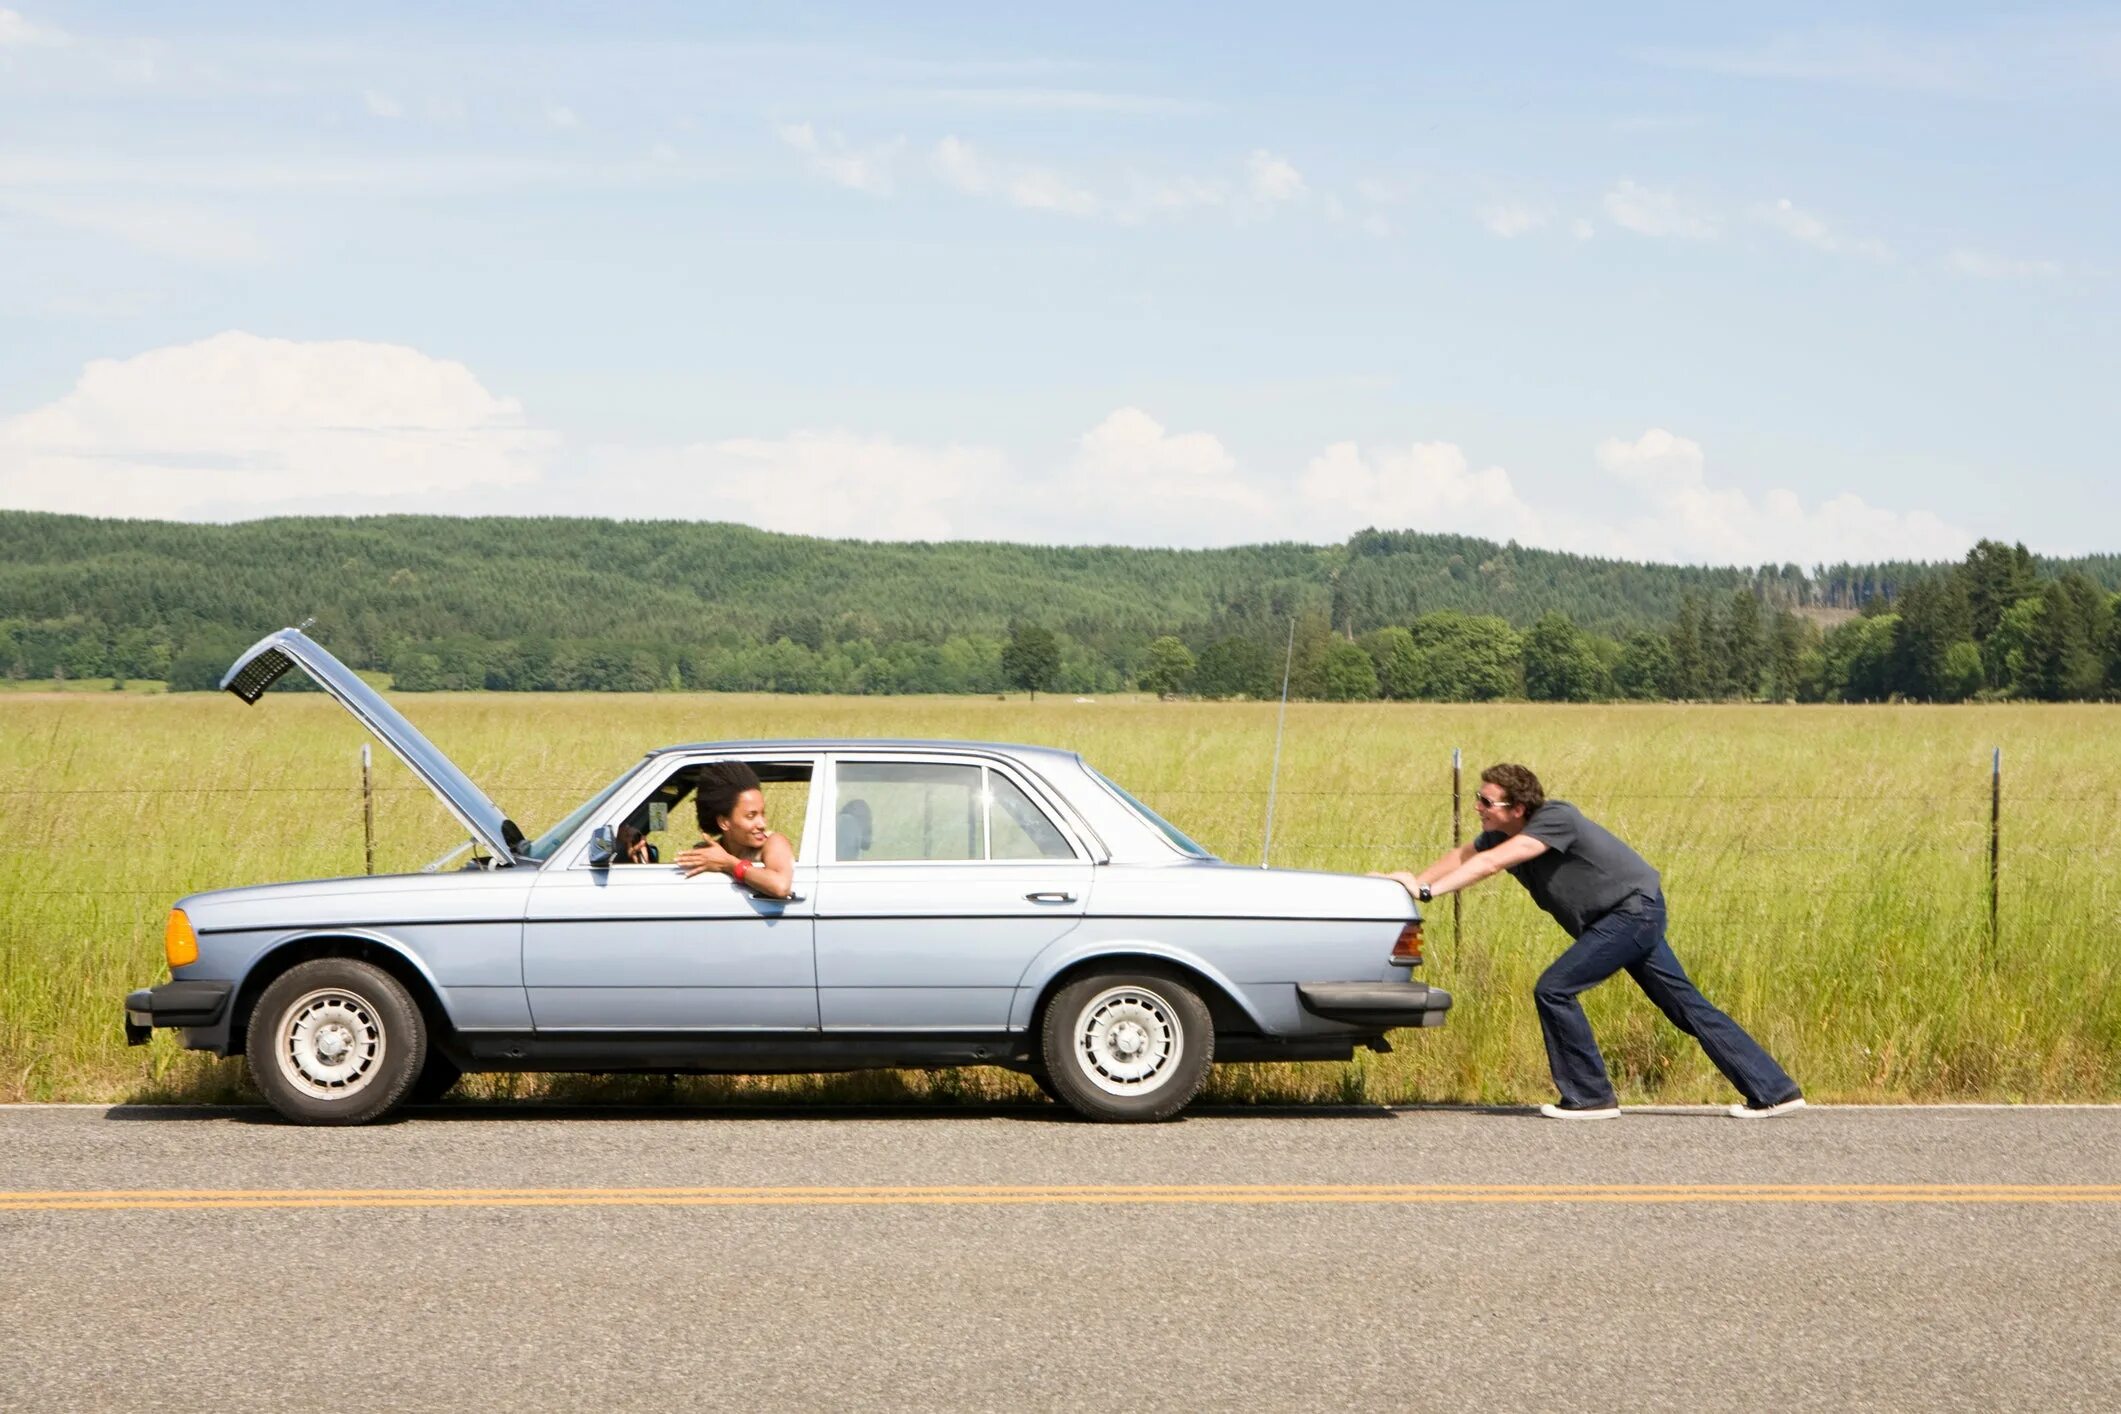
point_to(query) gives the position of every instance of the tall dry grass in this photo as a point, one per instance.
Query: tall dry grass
(1826, 868)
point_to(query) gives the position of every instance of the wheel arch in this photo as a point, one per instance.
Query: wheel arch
(1226, 1009)
(359, 944)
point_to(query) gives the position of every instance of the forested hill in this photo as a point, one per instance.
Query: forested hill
(380, 587)
(386, 578)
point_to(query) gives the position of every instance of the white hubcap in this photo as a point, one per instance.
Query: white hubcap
(1128, 1040)
(330, 1043)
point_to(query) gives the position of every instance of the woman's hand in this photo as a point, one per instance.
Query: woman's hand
(706, 857)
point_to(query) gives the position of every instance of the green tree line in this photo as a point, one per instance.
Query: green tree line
(446, 603)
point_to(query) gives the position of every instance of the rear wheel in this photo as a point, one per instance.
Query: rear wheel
(1127, 1046)
(336, 1041)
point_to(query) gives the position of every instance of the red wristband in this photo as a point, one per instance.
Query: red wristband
(743, 867)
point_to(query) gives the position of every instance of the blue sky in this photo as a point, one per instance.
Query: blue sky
(1700, 282)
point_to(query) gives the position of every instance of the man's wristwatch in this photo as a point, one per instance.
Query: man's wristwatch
(1423, 893)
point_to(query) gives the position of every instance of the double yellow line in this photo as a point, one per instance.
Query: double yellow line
(975, 1195)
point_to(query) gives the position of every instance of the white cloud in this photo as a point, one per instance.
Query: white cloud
(1510, 219)
(16, 31)
(382, 105)
(1984, 266)
(833, 483)
(1272, 179)
(559, 115)
(1428, 486)
(1810, 229)
(1132, 482)
(1173, 196)
(1268, 182)
(1648, 211)
(1040, 189)
(1581, 229)
(238, 425)
(959, 165)
(1679, 516)
(867, 169)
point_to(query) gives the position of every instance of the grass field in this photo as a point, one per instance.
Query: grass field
(1826, 868)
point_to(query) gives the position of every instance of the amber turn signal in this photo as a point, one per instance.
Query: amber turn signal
(179, 943)
(1408, 948)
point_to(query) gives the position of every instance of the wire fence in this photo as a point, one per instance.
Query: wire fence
(1976, 832)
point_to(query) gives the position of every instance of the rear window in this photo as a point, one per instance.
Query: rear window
(1169, 831)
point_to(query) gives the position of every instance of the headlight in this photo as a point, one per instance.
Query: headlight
(179, 943)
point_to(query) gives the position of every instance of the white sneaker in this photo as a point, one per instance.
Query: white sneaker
(1567, 1112)
(1794, 1102)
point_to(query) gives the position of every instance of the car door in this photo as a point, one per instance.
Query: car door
(638, 947)
(946, 876)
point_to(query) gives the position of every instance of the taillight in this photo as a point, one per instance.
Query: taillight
(1408, 948)
(179, 943)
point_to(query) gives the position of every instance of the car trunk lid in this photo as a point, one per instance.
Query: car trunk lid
(271, 656)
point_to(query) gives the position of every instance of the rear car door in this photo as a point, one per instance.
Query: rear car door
(946, 876)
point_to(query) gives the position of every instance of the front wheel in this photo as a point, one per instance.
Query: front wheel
(1127, 1046)
(335, 1041)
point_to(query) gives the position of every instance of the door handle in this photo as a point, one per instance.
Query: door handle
(1051, 896)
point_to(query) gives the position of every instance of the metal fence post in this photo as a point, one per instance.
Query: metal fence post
(1457, 832)
(368, 811)
(1995, 843)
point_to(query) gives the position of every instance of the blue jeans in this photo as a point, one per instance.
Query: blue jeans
(1631, 938)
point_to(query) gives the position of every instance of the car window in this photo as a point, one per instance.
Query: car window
(669, 818)
(908, 810)
(1017, 829)
(921, 810)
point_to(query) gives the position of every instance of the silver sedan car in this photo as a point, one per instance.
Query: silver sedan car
(951, 903)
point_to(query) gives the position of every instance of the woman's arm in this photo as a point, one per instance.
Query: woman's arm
(774, 873)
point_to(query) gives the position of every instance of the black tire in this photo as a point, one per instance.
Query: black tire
(1085, 1040)
(336, 1041)
(1036, 1069)
(436, 1079)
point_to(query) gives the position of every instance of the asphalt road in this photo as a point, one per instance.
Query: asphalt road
(530, 1259)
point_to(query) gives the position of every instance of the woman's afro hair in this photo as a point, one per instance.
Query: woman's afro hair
(719, 784)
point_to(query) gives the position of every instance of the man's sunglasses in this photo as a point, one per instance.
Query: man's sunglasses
(1496, 804)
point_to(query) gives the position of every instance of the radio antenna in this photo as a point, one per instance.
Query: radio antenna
(1266, 845)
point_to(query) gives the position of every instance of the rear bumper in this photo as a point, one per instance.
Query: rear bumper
(1380, 1004)
(191, 1005)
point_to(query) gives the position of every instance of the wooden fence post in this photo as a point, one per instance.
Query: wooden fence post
(368, 812)
(1457, 834)
(1995, 844)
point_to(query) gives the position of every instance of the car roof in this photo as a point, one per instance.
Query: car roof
(870, 743)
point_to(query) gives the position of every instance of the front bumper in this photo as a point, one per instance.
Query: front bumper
(1381, 1004)
(191, 1005)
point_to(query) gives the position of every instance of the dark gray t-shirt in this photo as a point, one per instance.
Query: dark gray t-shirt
(1586, 871)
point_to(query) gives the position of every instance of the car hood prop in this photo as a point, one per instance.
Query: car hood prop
(272, 655)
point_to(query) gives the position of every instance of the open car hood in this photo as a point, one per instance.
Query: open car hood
(269, 657)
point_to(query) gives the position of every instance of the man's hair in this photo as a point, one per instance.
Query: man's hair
(1519, 785)
(719, 784)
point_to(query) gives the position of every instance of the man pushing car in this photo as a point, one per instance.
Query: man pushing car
(1611, 902)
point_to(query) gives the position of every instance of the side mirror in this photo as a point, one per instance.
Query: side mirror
(603, 847)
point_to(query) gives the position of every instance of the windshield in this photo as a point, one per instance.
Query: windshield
(1169, 831)
(542, 847)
